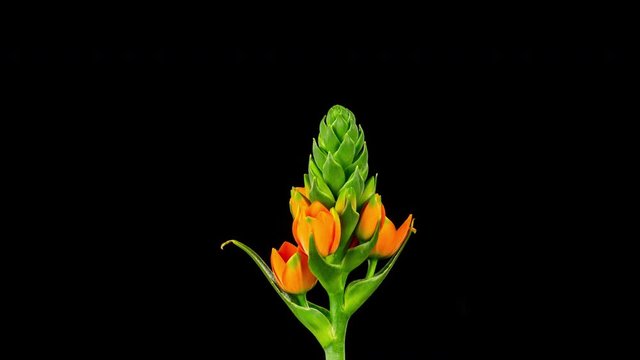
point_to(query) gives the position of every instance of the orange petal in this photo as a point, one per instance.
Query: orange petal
(277, 266)
(301, 231)
(369, 218)
(316, 208)
(323, 232)
(384, 246)
(292, 277)
(403, 231)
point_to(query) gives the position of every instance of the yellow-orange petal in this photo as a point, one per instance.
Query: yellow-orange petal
(315, 208)
(322, 226)
(371, 214)
(302, 231)
(292, 276)
(403, 231)
(277, 266)
(386, 236)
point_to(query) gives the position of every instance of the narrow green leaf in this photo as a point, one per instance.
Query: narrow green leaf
(329, 275)
(352, 133)
(360, 290)
(327, 139)
(369, 190)
(319, 155)
(319, 191)
(348, 222)
(357, 255)
(361, 162)
(313, 317)
(307, 182)
(333, 174)
(340, 127)
(345, 152)
(356, 183)
(360, 140)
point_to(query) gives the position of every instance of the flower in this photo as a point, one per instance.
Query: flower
(390, 239)
(299, 200)
(320, 222)
(290, 267)
(372, 213)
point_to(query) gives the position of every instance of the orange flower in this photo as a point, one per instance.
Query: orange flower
(390, 239)
(322, 223)
(291, 269)
(372, 213)
(299, 200)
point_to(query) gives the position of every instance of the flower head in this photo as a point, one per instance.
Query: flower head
(320, 222)
(390, 239)
(290, 267)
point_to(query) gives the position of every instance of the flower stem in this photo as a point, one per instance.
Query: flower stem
(371, 270)
(302, 299)
(339, 319)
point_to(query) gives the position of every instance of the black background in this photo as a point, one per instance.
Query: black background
(152, 168)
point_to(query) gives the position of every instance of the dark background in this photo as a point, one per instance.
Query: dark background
(149, 169)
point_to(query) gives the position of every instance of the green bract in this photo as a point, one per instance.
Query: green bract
(339, 160)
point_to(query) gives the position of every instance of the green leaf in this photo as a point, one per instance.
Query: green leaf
(333, 174)
(348, 222)
(345, 152)
(319, 155)
(327, 138)
(360, 290)
(355, 182)
(369, 190)
(352, 133)
(362, 162)
(315, 318)
(357, 255)
(329, 275)
(319, 191)
(360, 141)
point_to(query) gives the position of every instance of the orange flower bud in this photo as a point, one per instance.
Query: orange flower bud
(290, 267)
(323, 224)
(299, 200)
(372, 213)
(390, 239)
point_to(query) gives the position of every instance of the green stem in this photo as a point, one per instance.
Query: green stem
(371, 270)
(339, 320)
(302, 299)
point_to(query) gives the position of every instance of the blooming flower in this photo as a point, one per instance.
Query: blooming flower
(290, 267)
(390, 239)
(320, 222)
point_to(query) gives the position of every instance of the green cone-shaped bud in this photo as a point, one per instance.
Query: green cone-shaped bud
(339, 160)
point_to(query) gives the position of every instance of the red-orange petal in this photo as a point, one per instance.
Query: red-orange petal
(287, 250)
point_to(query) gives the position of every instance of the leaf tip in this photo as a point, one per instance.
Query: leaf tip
(225, 244)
